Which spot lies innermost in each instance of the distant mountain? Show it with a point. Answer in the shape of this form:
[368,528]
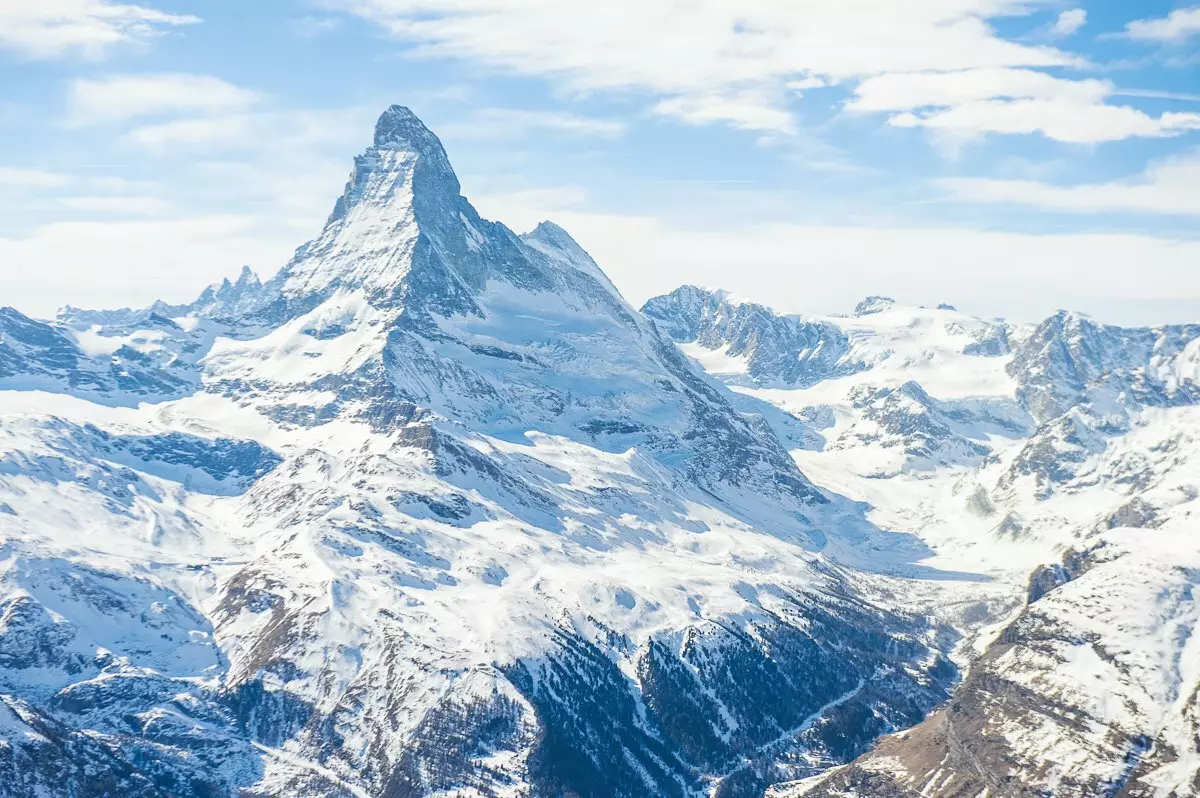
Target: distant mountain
[1067,442]
[782,349]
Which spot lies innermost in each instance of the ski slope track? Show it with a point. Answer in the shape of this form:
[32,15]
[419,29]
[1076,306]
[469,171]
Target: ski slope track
[435,512]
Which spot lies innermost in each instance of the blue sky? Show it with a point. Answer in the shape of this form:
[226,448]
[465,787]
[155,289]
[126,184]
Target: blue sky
[1009,157]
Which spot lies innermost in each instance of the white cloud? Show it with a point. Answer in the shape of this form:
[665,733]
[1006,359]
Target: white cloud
[218,131]
[53,28]
[514,123]
[710,60]
[1169,187]
[31,178]
[1069,22]
[972,103]
[748,110]
[275,134]
[911,90]
[123,205]
[120,263]
[119,98]
[1067,122]
[807,82]
[1179,25]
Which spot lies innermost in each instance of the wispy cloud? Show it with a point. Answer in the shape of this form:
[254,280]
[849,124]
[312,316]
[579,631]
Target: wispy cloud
[120,98]
[45,29]
[729,63]
[278,132]
[522,209]
[1153,94]
[514,123]
[12,177]
[311,27]
[1178,26]
[119,205]
[1076,124]
[1069,22]
[973,103]
[1169,187]
[745,109]
[744,64]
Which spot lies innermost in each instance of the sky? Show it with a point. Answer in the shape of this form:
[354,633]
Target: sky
[1010,157]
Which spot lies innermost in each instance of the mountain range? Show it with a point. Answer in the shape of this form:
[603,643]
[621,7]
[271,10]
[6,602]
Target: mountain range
[434,511]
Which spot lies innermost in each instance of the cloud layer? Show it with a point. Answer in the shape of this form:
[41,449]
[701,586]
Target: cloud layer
[1169,187]
[45,29]
[1179,25]
[710,61]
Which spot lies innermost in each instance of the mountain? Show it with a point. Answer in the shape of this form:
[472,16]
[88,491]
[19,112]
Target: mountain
[432,511]
[1067,442]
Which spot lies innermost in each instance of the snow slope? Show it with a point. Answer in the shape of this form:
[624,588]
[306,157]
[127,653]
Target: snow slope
[1055,458]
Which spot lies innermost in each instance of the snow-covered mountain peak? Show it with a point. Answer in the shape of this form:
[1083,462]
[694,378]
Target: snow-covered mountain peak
[246,277]
[226,299]
[403,236]
[399,128]
[873,304]
[548,236]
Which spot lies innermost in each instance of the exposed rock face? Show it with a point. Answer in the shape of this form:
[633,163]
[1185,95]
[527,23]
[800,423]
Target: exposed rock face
[777,349]
[1070,359]
[1070,699]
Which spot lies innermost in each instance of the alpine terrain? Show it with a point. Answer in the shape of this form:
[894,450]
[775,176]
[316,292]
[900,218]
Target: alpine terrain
[435,512]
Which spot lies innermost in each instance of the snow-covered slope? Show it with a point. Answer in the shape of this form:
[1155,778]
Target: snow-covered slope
[435,512]
[1068,443]
[431,512]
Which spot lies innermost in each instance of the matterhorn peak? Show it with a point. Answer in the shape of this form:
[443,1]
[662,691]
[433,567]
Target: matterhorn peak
[403,234]
[398,128]
[406,165]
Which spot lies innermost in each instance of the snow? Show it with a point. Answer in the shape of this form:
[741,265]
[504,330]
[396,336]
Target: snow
[717,362]
[457,478]
[93,342]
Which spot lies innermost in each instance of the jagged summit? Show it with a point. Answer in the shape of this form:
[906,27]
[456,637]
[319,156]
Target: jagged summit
[551,233]
[873,304]
[402,195]
[399,128]
[247,280]
[403,235]
[405,155]
[247,275]
[777,348]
